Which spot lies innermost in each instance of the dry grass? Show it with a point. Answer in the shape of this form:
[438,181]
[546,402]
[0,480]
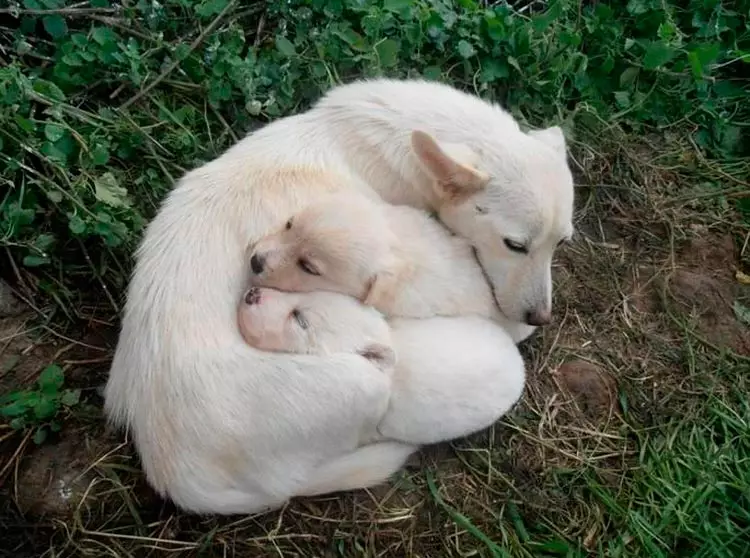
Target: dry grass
[635,403]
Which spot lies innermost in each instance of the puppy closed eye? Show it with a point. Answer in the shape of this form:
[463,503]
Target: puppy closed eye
[307,267]
[300,318]
[288,225]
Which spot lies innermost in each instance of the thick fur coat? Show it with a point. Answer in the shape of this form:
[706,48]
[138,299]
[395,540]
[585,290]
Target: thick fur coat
[224,428]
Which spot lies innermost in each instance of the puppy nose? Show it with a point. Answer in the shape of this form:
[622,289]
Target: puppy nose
[538,317]
[252,296]
[256,264]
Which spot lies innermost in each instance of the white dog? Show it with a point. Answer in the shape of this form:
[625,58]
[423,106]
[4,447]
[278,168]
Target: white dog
[395,258]
[510,194]
[224,428]
[428,405]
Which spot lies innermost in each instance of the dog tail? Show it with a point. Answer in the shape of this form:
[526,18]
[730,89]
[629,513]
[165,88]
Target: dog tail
[364,467]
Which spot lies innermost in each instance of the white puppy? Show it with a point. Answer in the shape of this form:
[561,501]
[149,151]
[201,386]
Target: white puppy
[316,323]
[395,258]
[428,405]
[224,428]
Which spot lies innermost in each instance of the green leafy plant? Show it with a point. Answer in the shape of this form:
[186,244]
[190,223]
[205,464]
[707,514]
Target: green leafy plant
[39,408]
[103,106]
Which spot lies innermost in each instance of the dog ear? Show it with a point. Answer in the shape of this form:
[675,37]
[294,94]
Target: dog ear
[451,165]
[382,356]
[390,270]
[380,291]
[553,137]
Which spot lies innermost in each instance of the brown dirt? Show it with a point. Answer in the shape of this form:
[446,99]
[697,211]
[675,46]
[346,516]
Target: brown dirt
[705,289]
[22,352]
[56,478]
[699,287]
[9,304]
[593,388]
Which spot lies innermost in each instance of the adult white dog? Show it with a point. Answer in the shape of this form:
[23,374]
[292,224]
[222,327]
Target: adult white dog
[221,427]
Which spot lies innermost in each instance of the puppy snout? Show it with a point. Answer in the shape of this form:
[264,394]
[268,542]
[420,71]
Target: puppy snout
[252,296]
[538,317]
[257,263]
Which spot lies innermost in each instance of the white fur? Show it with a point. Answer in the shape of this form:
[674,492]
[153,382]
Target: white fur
[524,191]
[430,402]
[221,427]
[315,323]
[395,258]
[445,395]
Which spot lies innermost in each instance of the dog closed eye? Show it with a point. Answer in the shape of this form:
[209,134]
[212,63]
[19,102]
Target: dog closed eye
[307,267]
[514,246]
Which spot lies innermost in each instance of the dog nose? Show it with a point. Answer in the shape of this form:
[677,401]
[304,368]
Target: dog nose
[538,317]
[252,296]
[256,264]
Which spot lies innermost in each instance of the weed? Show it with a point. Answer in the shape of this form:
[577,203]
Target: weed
[103,106]
[39,408]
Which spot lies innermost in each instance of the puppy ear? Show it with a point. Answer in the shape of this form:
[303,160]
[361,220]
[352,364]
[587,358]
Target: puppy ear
[451,165]
[382,356]
[554,137]
[379,291]
[390,271]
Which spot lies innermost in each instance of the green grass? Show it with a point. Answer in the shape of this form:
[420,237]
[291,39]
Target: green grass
[689,492]
[104,105]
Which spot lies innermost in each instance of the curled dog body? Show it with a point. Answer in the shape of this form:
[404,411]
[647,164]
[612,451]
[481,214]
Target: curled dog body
[224,428]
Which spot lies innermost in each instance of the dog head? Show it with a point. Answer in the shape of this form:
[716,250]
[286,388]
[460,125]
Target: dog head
[340,244]
[314,323]
[514,203]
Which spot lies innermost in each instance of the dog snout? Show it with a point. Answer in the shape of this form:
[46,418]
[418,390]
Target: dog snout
[257,263]
[538,317]
[252,296]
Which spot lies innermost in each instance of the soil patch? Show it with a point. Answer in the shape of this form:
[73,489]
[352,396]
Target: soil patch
[592,388]
[55,478]
[22,353]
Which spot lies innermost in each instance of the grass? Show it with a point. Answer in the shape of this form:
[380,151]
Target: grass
[633,435]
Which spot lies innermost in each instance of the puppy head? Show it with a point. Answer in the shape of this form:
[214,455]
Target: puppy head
[514,202]
[314,323]
[340,244]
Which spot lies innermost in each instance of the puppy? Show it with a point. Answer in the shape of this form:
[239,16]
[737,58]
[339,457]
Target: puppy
[429,402]
[395,258]
[316,323]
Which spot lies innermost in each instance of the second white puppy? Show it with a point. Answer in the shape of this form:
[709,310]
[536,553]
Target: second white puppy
[429,403]
[395,258]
